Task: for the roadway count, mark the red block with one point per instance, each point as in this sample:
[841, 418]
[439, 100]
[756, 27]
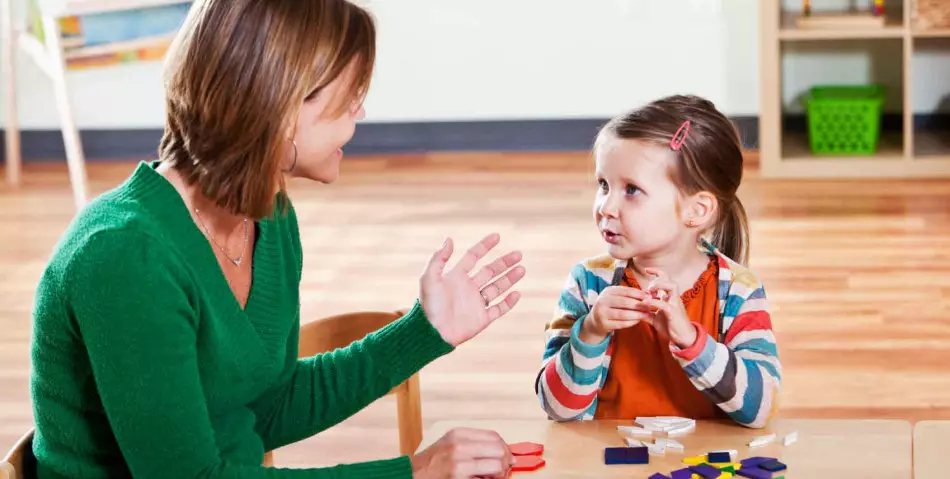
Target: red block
[526, 449]
[527, 463]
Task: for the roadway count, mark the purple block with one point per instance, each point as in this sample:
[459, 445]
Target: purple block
[659, 476]
[755, 461]
[706, 471]
[718, 457]
[773, 466]
[753, 472]
[626, 455]
[684, 473]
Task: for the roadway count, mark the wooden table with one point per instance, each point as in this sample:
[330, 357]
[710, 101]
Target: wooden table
[931, 445]
[868, 449]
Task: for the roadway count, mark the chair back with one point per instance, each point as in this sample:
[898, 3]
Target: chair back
[19, 462]
[334, 332]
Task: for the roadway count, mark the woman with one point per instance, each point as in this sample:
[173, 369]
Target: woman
[165, 327]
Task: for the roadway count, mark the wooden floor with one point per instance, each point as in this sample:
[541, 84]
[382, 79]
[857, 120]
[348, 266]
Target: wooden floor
[858, 274]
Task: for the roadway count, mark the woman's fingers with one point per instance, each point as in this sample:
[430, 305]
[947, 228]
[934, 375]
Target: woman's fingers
[438, 260]
[496, 268]
[502, 307]
[477, 252]
[480, 449]
[504, 283]
[480, 468]
[478, 452]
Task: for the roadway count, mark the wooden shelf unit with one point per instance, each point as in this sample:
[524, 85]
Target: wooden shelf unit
[785, 154]
[50, 56]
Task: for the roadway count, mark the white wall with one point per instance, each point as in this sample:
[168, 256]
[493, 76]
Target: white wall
[504, 59]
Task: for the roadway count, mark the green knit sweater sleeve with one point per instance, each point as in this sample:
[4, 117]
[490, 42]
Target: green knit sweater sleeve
[327, 388]
[139, 329]
[323, 390]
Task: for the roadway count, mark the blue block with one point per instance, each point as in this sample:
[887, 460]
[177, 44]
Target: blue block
[773, 466]
[684, 473]
[755, 461]
[659, 476]
[753, 472]
[706, 471]
[720, 457]
[626, 455]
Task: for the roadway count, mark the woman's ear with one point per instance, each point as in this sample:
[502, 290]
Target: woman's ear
[702, 210]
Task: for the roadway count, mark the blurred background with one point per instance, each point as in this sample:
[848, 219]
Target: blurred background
[480, 118]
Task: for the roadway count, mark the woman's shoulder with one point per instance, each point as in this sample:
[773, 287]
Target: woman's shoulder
[110, 231]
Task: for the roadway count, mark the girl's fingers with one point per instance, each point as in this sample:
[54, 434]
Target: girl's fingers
[667, 290]
[626, 292]
[625, 302]
[655, 306]
[626, 315]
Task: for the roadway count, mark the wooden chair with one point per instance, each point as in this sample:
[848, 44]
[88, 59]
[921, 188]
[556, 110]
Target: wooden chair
[19, 460]
[327, 334]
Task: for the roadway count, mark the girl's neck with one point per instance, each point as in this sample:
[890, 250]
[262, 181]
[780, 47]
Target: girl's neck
[682, 263]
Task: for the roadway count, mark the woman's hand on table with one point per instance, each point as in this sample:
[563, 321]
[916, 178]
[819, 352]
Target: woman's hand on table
[464, 453]
[457, 303]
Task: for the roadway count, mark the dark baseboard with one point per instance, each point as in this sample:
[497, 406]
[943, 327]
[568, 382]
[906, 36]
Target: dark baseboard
[417, 137]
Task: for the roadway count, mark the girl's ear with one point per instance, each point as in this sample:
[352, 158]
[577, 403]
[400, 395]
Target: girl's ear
[702, 210]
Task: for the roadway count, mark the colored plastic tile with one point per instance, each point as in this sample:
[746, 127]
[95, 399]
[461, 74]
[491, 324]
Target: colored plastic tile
[754, 473]
[755, 461]
[526, 449]
[528, 463]
[695, 460]
[707, 471]
[773, 466]
[682, 474]
[626, 455]
[719, 457]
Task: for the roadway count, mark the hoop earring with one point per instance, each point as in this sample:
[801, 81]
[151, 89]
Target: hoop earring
[294, 164]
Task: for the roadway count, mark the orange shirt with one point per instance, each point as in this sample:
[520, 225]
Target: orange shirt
[644, 379]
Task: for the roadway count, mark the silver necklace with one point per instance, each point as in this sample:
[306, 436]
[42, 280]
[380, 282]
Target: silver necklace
[236, 262]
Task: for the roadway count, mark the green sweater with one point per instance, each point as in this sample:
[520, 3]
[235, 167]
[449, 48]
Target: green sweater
[145, 365]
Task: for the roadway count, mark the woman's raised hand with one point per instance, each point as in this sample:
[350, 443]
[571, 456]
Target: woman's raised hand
[458, 304]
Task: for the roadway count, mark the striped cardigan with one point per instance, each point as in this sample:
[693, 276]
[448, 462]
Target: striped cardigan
[738, 369]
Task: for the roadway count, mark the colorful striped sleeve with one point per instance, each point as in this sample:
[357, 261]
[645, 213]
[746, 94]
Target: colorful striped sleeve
[742, 374]
[572, 371]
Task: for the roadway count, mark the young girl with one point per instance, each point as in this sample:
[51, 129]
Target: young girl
[670, 322]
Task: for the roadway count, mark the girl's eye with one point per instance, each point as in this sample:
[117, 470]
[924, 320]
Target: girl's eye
[602, 184]
[632, 190]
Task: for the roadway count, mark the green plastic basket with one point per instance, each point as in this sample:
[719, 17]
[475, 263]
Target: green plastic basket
[844, 119]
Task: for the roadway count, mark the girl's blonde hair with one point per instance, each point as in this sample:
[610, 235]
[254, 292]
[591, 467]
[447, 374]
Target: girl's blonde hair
[709, 159]
[236, 76]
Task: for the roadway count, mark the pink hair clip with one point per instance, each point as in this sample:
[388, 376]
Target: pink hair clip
[680, 136]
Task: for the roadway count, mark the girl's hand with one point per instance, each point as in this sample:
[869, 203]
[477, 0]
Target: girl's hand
[669, 319]
[458, 305]
[617, 307]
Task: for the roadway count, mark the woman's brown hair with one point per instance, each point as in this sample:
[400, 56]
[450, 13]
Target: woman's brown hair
[236, 76]
[710, 159]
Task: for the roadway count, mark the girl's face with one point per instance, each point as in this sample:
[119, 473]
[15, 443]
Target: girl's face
[320, 135]
[638, 207]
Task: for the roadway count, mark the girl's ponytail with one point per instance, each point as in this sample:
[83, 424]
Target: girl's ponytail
[731, 234]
